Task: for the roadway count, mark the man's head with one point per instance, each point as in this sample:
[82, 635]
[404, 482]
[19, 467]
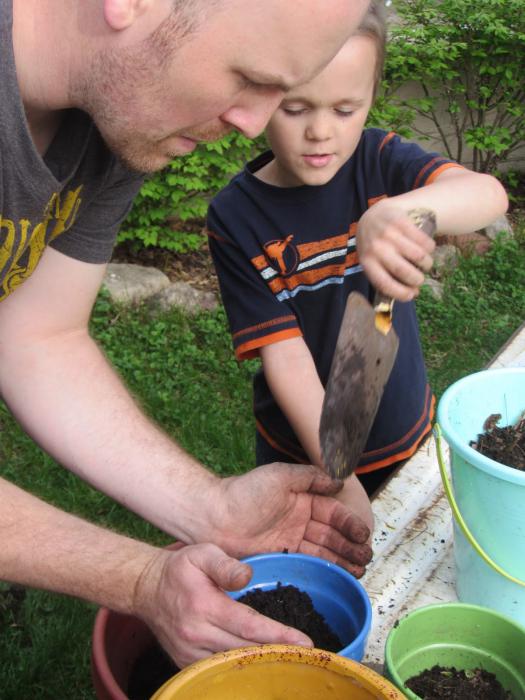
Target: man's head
[171, 73]
[318, 125]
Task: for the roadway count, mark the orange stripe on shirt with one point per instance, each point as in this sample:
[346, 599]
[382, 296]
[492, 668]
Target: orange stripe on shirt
[405, 454]
[387, 138]
[249, 350]
[278, 447]
[265, 324]
[309, 277]
[439, 170]
[373, 200]
[308, 250]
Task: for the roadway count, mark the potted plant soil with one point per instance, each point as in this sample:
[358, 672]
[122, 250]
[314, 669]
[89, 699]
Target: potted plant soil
[456, 651]
[319, 598]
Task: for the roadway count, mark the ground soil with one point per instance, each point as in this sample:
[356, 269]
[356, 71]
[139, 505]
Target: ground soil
[285, 604]
[505, 445]
[439, 683]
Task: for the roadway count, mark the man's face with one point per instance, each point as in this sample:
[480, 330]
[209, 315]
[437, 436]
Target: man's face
[318, 125]
[230, 73]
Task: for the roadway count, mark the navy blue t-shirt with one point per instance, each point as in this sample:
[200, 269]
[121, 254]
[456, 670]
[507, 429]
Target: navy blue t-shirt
[286, 261]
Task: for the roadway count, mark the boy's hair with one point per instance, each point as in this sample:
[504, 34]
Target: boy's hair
[373, 25]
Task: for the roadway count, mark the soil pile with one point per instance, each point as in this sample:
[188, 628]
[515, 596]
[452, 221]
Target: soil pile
[504, 445]
[439, 683]
[292, 607]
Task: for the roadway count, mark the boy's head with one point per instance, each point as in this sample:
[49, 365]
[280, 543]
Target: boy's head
[317, 126]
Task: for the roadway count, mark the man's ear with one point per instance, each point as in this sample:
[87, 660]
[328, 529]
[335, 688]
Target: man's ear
[120, 14]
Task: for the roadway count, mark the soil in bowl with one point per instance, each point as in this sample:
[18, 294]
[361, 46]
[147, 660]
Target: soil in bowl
[449, 683]
[292, 607]
[286, 604]
[504, 445]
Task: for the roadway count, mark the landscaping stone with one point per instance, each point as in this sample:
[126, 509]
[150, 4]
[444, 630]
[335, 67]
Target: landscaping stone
[185, 296]
[474, 242]
[445, 258]
[436, 288]
[128, 283]
[501, 225]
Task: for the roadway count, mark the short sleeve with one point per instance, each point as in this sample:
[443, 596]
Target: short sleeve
[406, 166]
[94, 232]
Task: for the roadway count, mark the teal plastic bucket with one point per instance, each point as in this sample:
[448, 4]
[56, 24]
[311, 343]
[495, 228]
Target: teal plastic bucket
[488, 497]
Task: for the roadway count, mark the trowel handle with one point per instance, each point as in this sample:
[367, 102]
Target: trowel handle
[425, 219]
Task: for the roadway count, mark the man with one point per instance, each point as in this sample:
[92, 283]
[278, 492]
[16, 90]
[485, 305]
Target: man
[149, 79]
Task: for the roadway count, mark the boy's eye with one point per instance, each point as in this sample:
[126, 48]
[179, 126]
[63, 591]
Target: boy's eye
[344, 112]
[293, 111]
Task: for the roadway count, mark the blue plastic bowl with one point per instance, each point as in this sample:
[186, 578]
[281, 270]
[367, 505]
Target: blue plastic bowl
[336, 595]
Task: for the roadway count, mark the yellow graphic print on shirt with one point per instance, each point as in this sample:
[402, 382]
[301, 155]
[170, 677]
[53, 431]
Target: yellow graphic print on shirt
[21, 245]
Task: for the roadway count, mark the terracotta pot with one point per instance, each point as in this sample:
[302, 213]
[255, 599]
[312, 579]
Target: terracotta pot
[117, 642]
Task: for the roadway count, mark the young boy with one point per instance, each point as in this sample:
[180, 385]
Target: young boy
[320, 215]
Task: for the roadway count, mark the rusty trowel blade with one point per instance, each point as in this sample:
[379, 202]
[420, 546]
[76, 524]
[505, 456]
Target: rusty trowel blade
[363, 359]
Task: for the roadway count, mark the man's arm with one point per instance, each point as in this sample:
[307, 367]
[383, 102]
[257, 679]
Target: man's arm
[60, 387]
[177, 593]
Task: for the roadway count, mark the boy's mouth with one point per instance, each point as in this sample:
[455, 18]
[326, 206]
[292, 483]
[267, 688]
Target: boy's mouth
[318, 160]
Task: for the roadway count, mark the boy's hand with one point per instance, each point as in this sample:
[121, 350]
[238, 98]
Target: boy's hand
[393, 251]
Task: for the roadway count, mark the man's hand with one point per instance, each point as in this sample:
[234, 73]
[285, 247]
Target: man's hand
[289, 506]
[393, 251]
[181, 598]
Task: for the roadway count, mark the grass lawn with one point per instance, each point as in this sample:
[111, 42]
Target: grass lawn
[183, 372]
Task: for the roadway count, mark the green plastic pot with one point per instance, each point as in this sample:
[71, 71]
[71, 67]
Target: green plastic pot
[460, 635]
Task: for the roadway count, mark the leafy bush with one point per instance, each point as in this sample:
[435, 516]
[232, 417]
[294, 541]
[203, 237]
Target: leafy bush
[179, 195]
[467, 60]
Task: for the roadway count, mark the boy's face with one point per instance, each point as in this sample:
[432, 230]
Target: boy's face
[231, 73]
[317, 126]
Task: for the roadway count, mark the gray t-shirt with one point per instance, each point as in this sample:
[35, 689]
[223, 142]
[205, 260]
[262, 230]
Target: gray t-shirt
[73, 199]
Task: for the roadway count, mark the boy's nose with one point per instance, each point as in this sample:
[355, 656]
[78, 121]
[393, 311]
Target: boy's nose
[252, 115]
[318, 128]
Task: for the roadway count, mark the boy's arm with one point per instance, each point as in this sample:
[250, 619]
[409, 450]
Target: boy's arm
[300, 395]
[393, 252]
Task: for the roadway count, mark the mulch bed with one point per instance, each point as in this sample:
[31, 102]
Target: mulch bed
[440, 683]
[504, 445]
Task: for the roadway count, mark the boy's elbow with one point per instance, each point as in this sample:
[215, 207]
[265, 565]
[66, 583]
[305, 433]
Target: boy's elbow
[497, 195]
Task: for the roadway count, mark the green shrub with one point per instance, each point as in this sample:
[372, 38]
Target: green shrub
[172, 203]
[467, 60]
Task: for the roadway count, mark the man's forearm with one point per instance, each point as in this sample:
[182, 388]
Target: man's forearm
[43, 547]
[68, 398]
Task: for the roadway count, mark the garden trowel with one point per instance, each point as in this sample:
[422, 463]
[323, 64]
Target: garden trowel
[363, 359]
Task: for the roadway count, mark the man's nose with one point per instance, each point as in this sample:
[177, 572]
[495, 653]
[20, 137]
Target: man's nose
[252, 114]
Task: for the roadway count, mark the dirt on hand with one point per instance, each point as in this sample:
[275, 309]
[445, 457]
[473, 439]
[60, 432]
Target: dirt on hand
[504, 445]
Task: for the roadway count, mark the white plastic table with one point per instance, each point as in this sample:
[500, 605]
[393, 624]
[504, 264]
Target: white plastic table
[413, 561]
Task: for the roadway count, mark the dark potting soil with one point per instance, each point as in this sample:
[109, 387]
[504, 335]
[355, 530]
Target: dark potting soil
[504, 445]
[292, 607]
[286, 604]
[440, 683]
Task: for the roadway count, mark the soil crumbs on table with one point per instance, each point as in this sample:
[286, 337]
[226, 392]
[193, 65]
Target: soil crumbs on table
[504, 445]
[292, 607]
[286, 604]
[440, 683]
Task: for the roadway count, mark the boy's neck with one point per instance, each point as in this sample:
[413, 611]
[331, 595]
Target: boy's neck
[268, 174]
